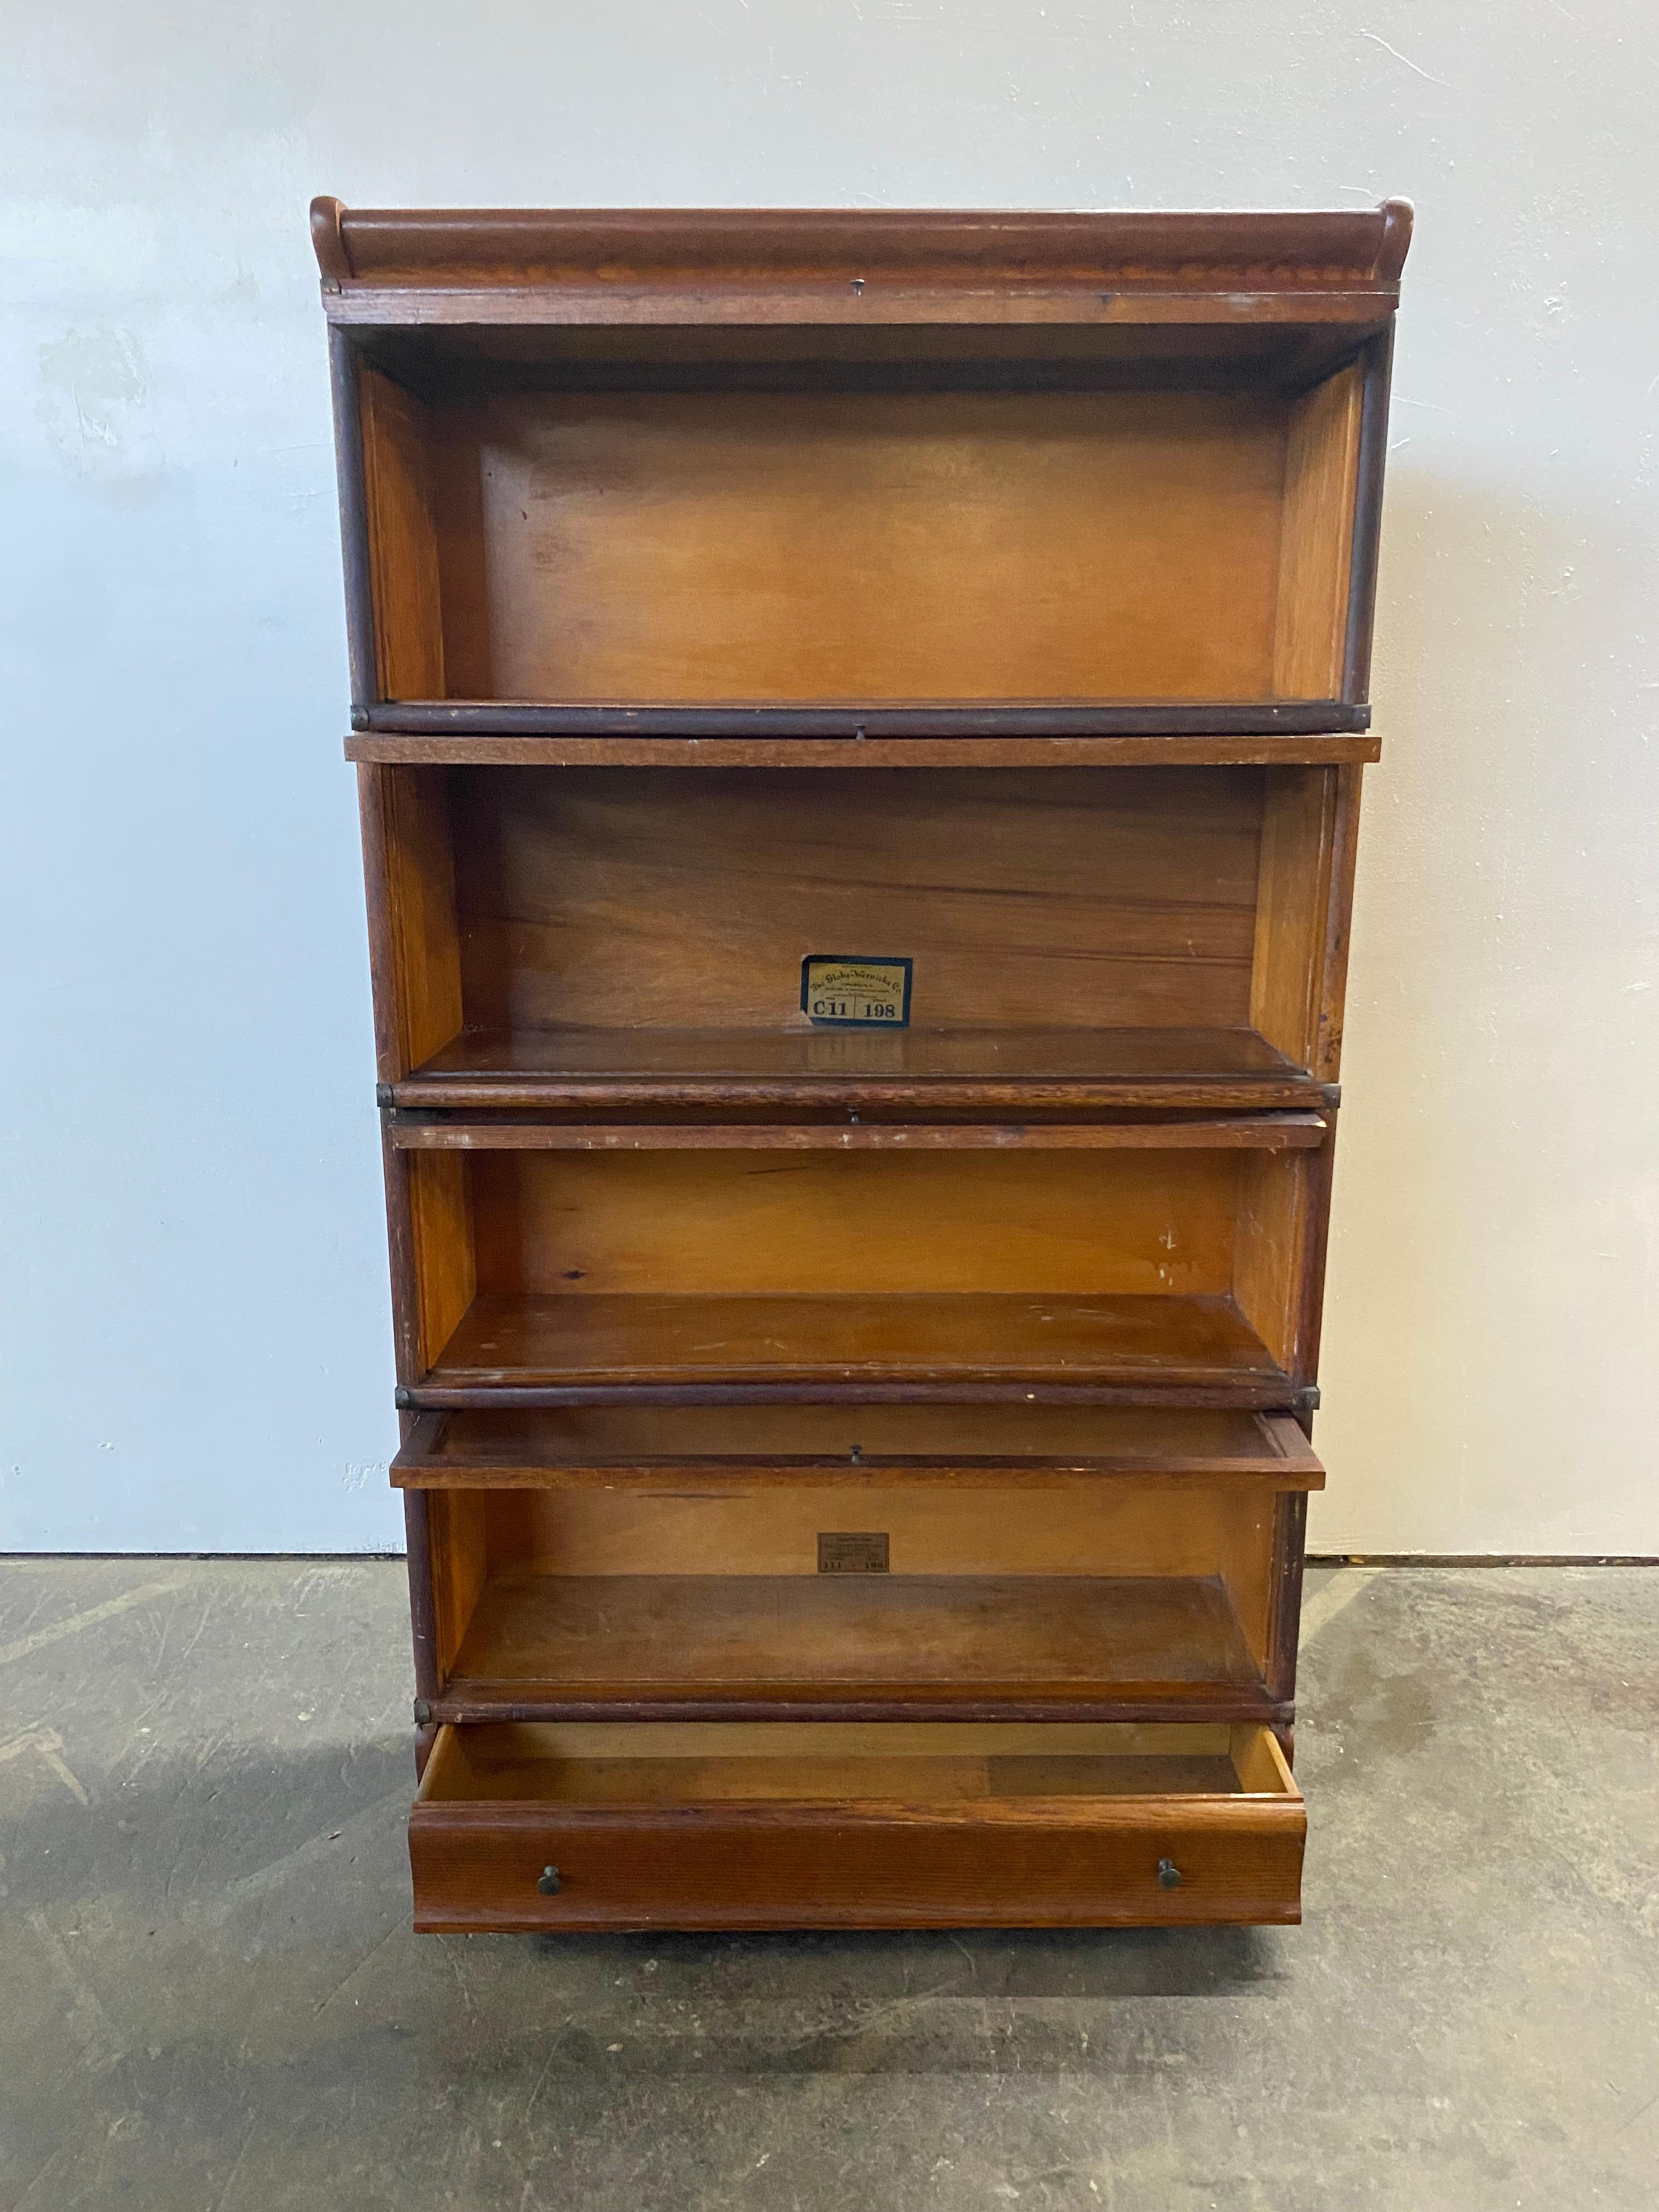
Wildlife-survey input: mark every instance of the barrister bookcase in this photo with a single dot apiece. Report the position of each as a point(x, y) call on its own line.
point(858, 719)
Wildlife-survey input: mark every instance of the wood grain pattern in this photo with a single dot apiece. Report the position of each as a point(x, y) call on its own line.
point(595, 898)
point(459, 1556)
point(1344, 249)
point(1299, 844)
point(997, 591)
point(1077, 1862)
point(418, 971)
point(801, 1640)
point(1244, 1537)
point(1031, 1827)
point(442, 1248)
point(1322, 462)
point(879, 1076)
point(863, 735)
point(1262, 1133)
point(402, 541)
point(647, 1448)
point(922, 1346)
point(682, 547)
point(1272, 1233)
point(579, 1225)
point(1122, 1528)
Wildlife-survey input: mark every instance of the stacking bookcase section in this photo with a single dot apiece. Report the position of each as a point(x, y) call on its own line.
point(858, 722)
point(872, 1562)
point(781, 1825)
point(882, 473)
point(1160, 1270)
point(605, 945)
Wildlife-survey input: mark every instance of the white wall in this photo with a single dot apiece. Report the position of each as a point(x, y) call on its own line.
point(195, 1331)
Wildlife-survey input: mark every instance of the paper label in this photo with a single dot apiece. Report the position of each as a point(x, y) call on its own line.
point(853, 1551)
point(851, 990)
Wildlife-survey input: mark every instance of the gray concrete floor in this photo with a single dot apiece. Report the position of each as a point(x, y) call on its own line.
point(209, 1996)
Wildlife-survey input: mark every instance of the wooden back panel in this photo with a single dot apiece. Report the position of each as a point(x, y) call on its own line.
point(680, 899)
point(1120, 1529)
point(823, 544)
point(1042, 1222)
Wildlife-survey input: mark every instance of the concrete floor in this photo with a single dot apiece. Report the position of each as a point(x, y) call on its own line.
point(209, 1997)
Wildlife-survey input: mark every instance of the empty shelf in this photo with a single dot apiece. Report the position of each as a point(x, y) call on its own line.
point(811, 1346)
point(851, 1641)
point(907, 1073)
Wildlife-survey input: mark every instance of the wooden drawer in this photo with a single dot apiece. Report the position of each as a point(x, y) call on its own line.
point(813, 1825)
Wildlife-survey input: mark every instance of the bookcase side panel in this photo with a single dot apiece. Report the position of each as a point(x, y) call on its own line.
point(414, 947)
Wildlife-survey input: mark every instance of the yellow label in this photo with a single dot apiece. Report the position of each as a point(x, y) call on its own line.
point(856, 992)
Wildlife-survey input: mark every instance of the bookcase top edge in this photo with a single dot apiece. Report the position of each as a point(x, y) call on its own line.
point(739, 254)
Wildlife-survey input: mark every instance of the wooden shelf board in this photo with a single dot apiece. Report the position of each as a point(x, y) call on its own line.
point(523, 1133)
point(476, 734)
point(664, 1641)
point(988, 1446)
point(810, 1346)
point(900, 1075)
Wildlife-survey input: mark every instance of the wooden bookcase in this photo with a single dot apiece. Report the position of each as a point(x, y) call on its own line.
point(856, 1476)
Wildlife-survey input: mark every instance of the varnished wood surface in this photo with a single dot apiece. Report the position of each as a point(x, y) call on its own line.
point(690, 514)
point(413, 246)
point(695, 1762)
point(645, 1447)
point(1003, 1828)
point(480, 734)
point(1260, 1133)
point(1026, 1862)
point(684, 1763)
point(658, 1640)
point(1049, 1225)
point(931, 1345)
point(403, 545)
point(901, 1075)
point(679, 548)
point(601, 898)
point(1322, 458)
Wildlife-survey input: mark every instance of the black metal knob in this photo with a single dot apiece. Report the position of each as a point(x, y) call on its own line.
point(1169, 1874)
point(549, 1882)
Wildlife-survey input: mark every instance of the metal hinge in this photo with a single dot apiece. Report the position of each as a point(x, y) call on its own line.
point(1331, 1093)
point(403, 1398)
point(1307, 1400)
point(422, 1712)
point(383, 1096)
point(359, 718)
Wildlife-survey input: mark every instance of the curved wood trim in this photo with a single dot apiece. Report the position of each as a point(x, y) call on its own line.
point(328, 239)
point(432, 247)
point(1398, 216)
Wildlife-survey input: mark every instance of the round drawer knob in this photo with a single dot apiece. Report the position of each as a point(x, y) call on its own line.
point(1169, 1874)
point(548, 1881)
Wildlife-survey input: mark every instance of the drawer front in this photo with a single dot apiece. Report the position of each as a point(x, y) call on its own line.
point(1043, 1863)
